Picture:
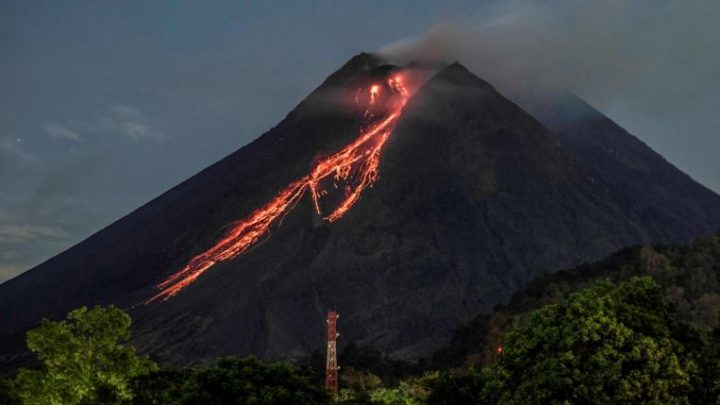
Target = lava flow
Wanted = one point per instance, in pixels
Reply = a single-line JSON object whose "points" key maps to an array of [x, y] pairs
{"points": [[356, 165]]}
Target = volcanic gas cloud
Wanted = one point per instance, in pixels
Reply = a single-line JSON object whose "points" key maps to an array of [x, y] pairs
{"points": [[350, 170]]}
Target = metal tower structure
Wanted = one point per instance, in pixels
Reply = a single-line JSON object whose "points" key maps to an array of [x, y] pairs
{"points": [[331, 366]]}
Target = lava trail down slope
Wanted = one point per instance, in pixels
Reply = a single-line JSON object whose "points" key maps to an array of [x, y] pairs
{"points": [[356, 165], [409, 199]]}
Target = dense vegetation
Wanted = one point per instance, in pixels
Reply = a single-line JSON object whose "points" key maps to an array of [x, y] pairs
{"points": [[83, 360], [689, 277], [606, 344], [640, 326], [230, 381]]}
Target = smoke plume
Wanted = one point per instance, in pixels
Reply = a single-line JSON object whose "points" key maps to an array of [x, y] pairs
{"points": [[652, 66]]}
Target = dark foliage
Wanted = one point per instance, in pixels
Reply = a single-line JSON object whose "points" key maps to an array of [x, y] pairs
{"points": [[166, 386], [8, 392], [371, 360], [363, 359], [707, 383], [457, 388], [689, 277], [230, 381], [605, 344]]}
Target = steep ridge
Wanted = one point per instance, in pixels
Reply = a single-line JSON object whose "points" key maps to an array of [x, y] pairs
{"points": [[650, 187]]}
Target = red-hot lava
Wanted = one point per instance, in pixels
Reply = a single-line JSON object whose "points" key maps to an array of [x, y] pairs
{"points": [[356, 166]]}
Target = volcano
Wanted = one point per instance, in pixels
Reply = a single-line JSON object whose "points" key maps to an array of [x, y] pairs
{"points": [[406, 198]]}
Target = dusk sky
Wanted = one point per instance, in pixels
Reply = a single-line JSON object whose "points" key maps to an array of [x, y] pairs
{"points": [[105, 105]]}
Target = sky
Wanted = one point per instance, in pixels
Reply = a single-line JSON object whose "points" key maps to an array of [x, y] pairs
{"points": [[106, 105]]}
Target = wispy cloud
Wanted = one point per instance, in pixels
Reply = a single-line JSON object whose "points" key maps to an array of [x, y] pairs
{"points": [[131, 123], [24, 233], [14, 147], [648, 65], [57, 130], [665, 51], [119, 120]]}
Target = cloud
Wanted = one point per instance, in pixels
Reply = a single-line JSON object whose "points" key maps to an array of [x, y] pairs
{"points": [[129, 122], [14, 147], [119, 120], [56, 130], [600, 48], [25, 233], [651, 66], [138, 130]]}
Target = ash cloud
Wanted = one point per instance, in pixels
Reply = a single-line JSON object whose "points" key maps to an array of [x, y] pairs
{"points": [[651, 66], [602, 48]]}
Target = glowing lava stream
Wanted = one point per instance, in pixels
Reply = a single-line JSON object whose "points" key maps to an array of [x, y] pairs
{"points": [[357, 162]]}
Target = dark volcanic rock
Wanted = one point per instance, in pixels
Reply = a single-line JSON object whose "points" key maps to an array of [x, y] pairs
{"points": [[475, 198], [652, 191]]}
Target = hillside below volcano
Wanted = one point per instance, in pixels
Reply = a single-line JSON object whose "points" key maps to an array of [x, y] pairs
{"points": [[474, 199]]}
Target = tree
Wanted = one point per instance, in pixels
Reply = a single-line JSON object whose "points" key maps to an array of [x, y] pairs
{"points": [[357, 386], [369, 359], [84, 359], [8, 392], [458, 387], [248, 381], [163, 387], [607, 344], [411, 391], [708, 387]]}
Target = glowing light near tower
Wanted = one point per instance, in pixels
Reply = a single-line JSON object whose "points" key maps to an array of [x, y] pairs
{"points": [[356, 166]]}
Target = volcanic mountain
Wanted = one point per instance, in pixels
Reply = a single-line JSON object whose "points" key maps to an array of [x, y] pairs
{"points": [[408, 204]]}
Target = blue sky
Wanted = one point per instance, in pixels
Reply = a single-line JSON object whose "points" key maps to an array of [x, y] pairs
{"points": [[105, 105]]}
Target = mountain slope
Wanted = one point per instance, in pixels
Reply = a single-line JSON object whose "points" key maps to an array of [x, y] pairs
{"points": [[474, 199], [650, 187]]}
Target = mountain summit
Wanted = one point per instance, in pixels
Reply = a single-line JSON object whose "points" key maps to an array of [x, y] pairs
{"points": [[455, 196]]}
